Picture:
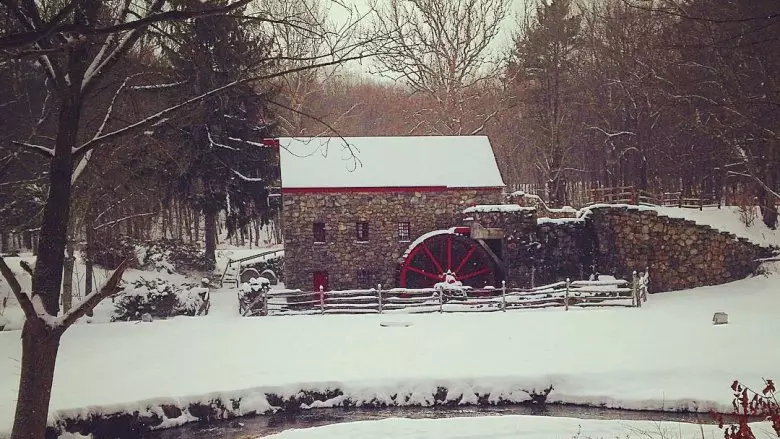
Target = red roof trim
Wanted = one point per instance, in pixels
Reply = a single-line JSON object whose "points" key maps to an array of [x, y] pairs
{"points": [[332, 190]]}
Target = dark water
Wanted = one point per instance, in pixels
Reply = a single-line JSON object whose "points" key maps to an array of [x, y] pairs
{"points": [[257, 426]]}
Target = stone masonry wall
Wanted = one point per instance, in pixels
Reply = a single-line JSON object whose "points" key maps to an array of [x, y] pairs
{"points": [[680, 254], [566, 251], [341, 256]]}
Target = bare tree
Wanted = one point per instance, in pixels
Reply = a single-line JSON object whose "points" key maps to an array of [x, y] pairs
{"points": [[442, 48], [76, 45]]}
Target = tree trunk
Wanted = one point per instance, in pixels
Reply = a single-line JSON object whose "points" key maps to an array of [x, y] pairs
{"points": [[196, 223], [39, 356], [88, 252], [210, 233], [54, 227], [67, 278]]}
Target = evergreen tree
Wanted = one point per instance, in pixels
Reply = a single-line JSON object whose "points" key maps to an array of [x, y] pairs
{"points": [[226, 167], [543, 66]]}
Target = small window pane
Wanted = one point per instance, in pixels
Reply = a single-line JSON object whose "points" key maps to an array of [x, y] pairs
{"points": [[362, 230], [319, 232], [404, 231]]}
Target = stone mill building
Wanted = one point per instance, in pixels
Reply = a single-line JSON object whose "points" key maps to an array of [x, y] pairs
{"points": [[352, 207], [411, 212]]}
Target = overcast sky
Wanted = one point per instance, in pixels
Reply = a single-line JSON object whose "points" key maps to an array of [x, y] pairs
{"points": [[341, 15]]}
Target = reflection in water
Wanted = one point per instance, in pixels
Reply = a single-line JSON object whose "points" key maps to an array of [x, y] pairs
{"points": [[265, 425]]}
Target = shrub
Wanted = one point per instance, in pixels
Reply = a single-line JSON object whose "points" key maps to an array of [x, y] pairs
{"points": [[110, 254], [159, 298], [174, 256], [249, 294], [751, 404], [165, 255]]}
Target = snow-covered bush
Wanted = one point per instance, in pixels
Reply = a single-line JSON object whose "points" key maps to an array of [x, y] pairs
{"points": [[451, 287], [173, 256], [249, 293], [165, 255], [159, 298]]}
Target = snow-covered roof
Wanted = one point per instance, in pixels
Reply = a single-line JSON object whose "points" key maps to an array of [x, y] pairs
{"points": [[388, 162]]}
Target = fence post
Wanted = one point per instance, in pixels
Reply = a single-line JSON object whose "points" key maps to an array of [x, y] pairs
{"points": [[379, 296], [441, 300], [533, 275], [503, 295], [635, 290], [322, 300], [265, 303], [566, 297]]}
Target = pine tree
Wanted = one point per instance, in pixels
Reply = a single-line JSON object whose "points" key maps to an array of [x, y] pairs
{"points": [[542, 66], [226, 167]]}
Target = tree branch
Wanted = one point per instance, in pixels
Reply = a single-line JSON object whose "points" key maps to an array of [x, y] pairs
{"points": [[31, 37], [43, 150], [21, 296], [26, 267], [89, 303], [160, 114]]}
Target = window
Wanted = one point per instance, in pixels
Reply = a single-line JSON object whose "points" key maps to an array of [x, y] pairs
{"points": [[404, 231], [364, 279], [319, 232], [362, 231]]}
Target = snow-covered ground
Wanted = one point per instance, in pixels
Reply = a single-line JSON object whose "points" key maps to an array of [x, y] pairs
{"points": [[513, 427], [666, 355]]}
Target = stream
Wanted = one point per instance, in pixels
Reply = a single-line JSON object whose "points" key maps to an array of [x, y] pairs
{"points": [[264, 425]]}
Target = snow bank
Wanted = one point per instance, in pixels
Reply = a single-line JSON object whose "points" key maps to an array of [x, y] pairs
{"points": [[510, 427], [666, 355]]}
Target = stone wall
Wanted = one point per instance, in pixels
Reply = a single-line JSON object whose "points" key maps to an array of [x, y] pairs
{"points": [[679, 253], [341, 256], [566, 250]]}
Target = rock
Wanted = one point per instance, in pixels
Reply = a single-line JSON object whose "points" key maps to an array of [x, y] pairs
{"points": [[146, 317], [720, 318]]}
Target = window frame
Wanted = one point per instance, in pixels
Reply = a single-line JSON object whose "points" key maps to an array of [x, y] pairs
{"points": [[318, 230], [404, 228], [362, 226]]}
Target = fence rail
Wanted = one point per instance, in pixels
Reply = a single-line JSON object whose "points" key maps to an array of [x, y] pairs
{"points": [[566, 294], [632, 195]]}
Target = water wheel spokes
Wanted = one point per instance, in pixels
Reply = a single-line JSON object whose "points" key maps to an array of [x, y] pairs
{"points": [[446, 253]]}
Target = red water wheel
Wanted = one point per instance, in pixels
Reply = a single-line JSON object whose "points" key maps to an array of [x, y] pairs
{"points": [[428, 262]]}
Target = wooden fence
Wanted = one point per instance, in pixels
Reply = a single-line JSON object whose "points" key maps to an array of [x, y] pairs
{"points": [[632, 195], [564, 294], [580, 194]]}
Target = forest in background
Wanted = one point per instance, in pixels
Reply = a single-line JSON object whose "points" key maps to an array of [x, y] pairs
{"points": [[660, 95]]}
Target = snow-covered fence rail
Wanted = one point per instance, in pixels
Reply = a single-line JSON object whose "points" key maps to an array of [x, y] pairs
{"points": [[564, 294]]}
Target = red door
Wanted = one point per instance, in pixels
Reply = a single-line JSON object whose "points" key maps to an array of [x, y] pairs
{"points": [[321, 280]]}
